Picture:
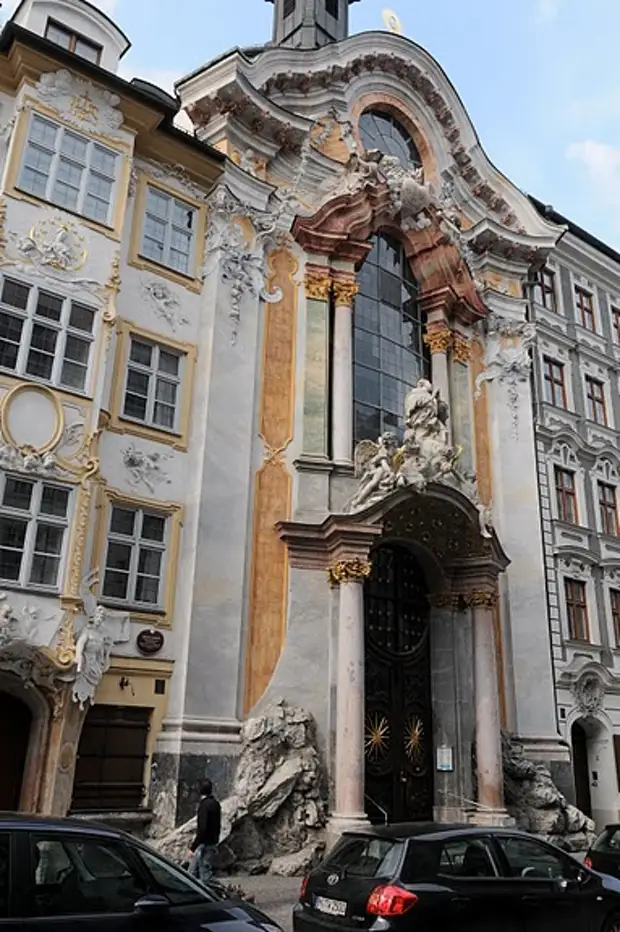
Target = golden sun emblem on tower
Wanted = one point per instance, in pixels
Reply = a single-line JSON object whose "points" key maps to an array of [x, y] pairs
{"points": [[377, 737], [414, 738]]}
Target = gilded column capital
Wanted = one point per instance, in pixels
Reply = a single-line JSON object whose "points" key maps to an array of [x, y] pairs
{"points": [[318, 283], [438, 338], [461, 349], [345, 291], [479, 598], [355, 570], [443, 600]]}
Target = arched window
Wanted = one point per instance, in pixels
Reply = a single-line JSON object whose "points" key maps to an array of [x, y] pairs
{"points": [[383, 132], [389, 352]]}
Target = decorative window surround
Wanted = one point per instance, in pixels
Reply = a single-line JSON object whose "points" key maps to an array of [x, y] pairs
{"points": [[545, 291], [69, 170], [585, 315], [171, 513], [35, 516], [583, 284], [604, 473], [72, 41], [155, 205], [566, 495], [46, 336], [556, 382], [597, 401], [123, 420], [577, 569], [612, 609], [562, 456]]}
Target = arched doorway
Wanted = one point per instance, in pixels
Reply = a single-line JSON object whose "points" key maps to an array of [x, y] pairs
{"points": [[581, 770], [17, 722], [398, 735]]}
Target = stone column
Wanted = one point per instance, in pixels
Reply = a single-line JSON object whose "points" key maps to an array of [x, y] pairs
{"points": [[349, 811], [344, 289], [488, 719], [316, 369]]}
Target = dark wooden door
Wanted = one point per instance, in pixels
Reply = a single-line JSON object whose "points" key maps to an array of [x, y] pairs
{"points": [[398, 737], [581, 770], [16, 720]]}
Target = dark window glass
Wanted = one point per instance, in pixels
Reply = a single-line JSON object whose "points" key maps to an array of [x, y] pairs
{"points": [[467, 857], [577, 610], [333, 7], [4, 875], [389, 351], [529, 858], [608, 841], [366, 857], [383, 132], [289, 7], [172, 883], [566, 495]]}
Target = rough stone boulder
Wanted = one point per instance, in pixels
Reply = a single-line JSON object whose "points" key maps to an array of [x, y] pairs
{"points": [[276, 813], [537, 805]]}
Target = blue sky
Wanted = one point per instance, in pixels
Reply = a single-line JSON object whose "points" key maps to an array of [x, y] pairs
{"points": [[540, 80]]}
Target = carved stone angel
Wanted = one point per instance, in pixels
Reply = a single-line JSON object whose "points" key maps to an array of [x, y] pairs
{"points": [[94, 644], [410, 196], [374, 463]]}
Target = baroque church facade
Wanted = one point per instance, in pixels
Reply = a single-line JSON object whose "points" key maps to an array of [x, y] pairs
{"points": [[267, 432]]}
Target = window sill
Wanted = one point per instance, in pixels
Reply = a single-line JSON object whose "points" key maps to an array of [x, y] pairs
{"points": [[154, 616], [122, 425], [191, 282], [33, 380], [30, 589], [103, 228]]}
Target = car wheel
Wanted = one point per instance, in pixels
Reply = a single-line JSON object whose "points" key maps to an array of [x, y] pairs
{"points": [[612, 924]]}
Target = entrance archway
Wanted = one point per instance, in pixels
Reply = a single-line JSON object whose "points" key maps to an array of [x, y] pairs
{"points": [[398, 732], [14, 740], [581, 769]]}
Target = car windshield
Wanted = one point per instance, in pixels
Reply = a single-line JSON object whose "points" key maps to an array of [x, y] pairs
{"points": [[609, 840], [365, 857]]}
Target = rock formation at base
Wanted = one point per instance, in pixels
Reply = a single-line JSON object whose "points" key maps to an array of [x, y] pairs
{"points": [[535, 802], [275, 817]]}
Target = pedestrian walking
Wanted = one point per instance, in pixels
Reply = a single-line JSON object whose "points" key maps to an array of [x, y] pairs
{"points": [[203, 849]]}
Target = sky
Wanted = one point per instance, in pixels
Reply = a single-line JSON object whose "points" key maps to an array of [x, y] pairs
{"points": [[539, 80]]}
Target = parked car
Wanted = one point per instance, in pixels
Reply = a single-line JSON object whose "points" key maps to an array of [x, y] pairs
{"points": [[604, 855], [428, 877], [70, 876]]}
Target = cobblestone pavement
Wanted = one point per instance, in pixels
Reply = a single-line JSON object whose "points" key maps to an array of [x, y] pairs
{"points": [[276, 896]]}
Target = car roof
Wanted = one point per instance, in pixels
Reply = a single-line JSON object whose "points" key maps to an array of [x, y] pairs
{"points": [[25, 822], [429, 830]]}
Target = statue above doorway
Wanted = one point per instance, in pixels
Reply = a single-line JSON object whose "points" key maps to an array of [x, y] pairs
{"points": [[426, 455]]}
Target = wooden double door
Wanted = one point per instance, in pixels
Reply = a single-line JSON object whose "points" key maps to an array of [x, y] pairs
{"points": [[399, 727], [16, 720]]}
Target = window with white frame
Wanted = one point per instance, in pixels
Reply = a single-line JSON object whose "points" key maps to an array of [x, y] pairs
{"points": [[152, 385], [135, 557], [45, 336], [168, 231], [34, 518], [68, 169]]}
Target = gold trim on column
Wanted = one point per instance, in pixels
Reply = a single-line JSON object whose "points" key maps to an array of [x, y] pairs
{"points": [[461, 351], [355, 570], [438, 338], [317, 283], [272, 490], [479, 598], [345, 291]]}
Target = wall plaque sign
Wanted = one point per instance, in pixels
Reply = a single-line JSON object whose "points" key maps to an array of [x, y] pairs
{"points": [[150, 641]]}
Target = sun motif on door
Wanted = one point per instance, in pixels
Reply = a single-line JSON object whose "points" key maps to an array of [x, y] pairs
{"points": [[414, 739], [377, 736]]}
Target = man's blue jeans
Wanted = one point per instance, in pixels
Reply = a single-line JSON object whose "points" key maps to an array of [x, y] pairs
{"points": [[203, 862]]}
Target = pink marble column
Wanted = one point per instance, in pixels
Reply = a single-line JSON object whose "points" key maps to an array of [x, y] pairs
{"points": [[344, 290]]}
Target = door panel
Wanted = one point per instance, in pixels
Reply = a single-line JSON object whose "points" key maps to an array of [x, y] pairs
{"points": [[16, 722], [398, 740]]}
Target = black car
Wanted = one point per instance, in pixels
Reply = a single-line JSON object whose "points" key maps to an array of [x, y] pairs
{"points": [[70, 876], [604, 855], [429, 877]]}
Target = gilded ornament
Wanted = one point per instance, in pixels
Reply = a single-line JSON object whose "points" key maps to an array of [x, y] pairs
{"points": [[377, 736], [479, 598], [414, 739], [438, 339], [349, 571], [83, 108], [344, 292], [65, 646], [461, 350], [318, 284]]}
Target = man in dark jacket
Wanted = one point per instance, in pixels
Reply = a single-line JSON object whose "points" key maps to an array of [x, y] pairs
{"points": [[204, 846]]}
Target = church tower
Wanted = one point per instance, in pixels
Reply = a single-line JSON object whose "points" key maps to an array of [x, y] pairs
{"points": [[307, 24]]}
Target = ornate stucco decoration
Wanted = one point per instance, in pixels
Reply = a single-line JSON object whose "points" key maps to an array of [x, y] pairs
{"points": [[355, 570], [241, 253], [165, 303], [508, 359], [589, 693], [56, 244], [102, 630], [30, 461], [167, 172], [425, 456], [81, 103], [145, 468]]}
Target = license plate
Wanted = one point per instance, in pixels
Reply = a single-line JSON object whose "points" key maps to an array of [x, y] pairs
{"points": [[331, 907]]}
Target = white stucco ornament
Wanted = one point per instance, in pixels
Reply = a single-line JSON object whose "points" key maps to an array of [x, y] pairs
{"points": [[36, 464], [589, 692], [425, 456], [145, 468], [165, 304], [241, 256], [80, 103], [508, 359], [23, 628], [94, 645], [56, 244]]}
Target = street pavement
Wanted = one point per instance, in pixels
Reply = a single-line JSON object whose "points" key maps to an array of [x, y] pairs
{"points": [[276, 896]]}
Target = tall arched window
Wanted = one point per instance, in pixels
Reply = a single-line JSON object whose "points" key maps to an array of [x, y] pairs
{"points": [[383, 132], [389, 352]]}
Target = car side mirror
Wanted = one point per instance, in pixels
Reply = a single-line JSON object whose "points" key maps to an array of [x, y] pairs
{"points": [[152, 903]]}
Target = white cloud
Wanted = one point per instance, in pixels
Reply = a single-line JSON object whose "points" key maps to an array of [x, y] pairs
{"points": [[548, 10], [602, 164]]}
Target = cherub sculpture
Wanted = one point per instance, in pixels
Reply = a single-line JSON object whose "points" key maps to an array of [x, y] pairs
{"points": [[374, 464]]}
